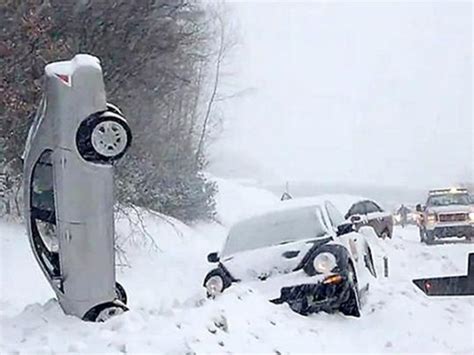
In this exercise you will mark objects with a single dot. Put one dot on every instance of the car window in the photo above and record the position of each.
(372, 207)
(335, 216)
(43, 216)
(357, 208)
(275, 228)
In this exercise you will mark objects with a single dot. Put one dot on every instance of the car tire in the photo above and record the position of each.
(120, 293)
(103, 137)
(103, 312)
(227, 282)
(385, 234)
(351, 306)
(112, 108)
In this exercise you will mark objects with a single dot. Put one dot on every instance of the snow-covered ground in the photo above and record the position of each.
(163, 275)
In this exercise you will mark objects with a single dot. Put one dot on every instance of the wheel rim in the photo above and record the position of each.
(109, 138)
(108, 313)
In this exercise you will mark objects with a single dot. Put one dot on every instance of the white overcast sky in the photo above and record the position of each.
(353, 92)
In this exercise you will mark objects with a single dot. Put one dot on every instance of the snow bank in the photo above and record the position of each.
(169, 313)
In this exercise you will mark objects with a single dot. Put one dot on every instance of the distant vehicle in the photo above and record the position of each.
(447, 213)
(368, 212)
(450, 285)
(68, 188)
(303, 253)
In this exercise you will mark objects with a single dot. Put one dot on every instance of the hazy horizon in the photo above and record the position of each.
(370, 93)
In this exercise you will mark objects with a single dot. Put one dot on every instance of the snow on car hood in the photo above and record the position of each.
(268, 262)
(450, 209)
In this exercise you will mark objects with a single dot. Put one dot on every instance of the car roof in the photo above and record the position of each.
(449, 190)
(341, 201)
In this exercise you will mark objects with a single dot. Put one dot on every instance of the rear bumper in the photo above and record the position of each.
(464, 230)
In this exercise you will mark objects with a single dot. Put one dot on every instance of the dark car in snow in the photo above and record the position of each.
(304, 254)
(368, 212)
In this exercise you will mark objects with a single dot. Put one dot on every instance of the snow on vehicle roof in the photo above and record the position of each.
(68, 67)
(449, 190)
(342, 202)
(275, 227)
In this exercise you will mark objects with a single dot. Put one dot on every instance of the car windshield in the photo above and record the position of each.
(275, 228)
(448, 199)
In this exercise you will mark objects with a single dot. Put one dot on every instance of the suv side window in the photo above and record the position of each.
(372, 207)
(335, 216)
(43, 216)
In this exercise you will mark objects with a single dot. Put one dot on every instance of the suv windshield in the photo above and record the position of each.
(448, 199)
(275, 228)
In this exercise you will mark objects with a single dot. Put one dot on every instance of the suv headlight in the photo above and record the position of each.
(324, 262)
(471, 216)
(214, 285)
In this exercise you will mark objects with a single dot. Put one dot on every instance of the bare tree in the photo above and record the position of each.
(157, 57)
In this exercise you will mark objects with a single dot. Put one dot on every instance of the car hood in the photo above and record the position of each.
(266, 263)
(450, 209)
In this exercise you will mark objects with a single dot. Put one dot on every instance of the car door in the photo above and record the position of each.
(356, 210)
(377, 217)
(43, 215)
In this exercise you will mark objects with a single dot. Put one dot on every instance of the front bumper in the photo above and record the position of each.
(314, 297)
(452, 230)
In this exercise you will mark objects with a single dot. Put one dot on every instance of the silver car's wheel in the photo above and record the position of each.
(108, 313)
(103, 137)
(109, 138)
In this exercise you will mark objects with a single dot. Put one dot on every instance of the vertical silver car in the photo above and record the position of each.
(68, 188)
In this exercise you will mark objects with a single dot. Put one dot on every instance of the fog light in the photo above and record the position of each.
(333, 279)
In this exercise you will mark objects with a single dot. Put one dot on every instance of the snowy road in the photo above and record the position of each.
(170, 315)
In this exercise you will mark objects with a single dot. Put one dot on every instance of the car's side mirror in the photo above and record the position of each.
(344, 228)
(419, 208)
(213, 257)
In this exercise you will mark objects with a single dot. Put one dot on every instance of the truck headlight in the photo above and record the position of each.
(324, 262)
(214, 285)
(431, 218)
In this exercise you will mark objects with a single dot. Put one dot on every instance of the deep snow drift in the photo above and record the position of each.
(163, 272)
